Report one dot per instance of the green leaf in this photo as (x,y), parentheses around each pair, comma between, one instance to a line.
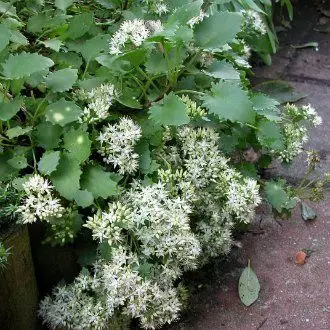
(49,162)
(9,110)
(183,14)
(171,111)
(63,4)
(47,135)
(229,102)
(84,198)
(144,156)
(217,30)
(77,143)
(18,131)
(66,177)
(80,25)
(54,44)
(156,64)
(6,171)
(61,80)
(99,182)
(4,36)
(18,162)
(278,197)
(62,112)
(307,213)
(24,64)
(18,38)
(280,90)
(223,70)
(270,135)
(266,106)
(91,48)
(248,286)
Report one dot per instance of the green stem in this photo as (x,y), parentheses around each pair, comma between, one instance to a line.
(189,91)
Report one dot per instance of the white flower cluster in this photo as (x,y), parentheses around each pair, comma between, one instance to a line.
(253,21)
(117,145)
(108,225)
(159,7)
(39,204)
(202,158)
(100,100)
(118,285)
(295,130)
(134,31)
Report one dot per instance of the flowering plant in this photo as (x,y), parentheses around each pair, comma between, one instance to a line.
(133,121)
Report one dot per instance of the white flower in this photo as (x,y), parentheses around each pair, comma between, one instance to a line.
(135,31)
(253,21)
(117,145)
(100,100)
(197,19)
(39,203)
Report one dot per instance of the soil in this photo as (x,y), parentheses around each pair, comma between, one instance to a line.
(292,296)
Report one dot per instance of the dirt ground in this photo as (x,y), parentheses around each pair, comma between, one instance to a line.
(292,296)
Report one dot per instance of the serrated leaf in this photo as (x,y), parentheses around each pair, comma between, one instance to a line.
(49,162)
(248,286)
(79,25)
(47,135)
(270,135)
(24,64)
(266,106)
(77,143)
(156,64)
(217,30)
(307,213)
(18,131)
(61,80)
(84,198)
(18,38)
(66,177)
(171,111)
(18,162)
(229,102)
(4,36)
(10,109)
(63,4)
(62,112)
(54,44)
(99,182)
(278,197)
(223,70)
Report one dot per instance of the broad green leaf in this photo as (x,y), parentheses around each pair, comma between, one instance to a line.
(18,162)
(144,156)
(183,14)
(47,135)
(6,8)
(61,80)
(10,109)
(217,30)
(69,59)
(171,111)
(248,286)
(18,38)
(99,182)
(270,135)
(24,64)
(266,106)
(156,64)
(278,197)
(54,44)
(307,213)
(77,143)
(79,25)
(223,70)
(4,36)
(84,198)
(229,102)
(66,177)
(62,112)
(6,171)
(280,90)
(18,131)
(63,4)
(91,48)
(48,162)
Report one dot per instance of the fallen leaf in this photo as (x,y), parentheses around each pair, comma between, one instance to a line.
(248,286)
(300,258)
